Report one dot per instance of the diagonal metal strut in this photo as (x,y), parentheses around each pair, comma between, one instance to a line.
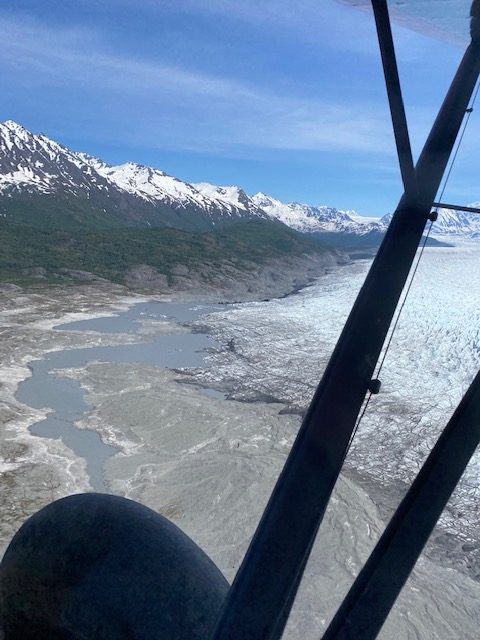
(394,91)
(372,595)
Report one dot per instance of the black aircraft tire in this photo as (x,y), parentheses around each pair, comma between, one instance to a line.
(100,567)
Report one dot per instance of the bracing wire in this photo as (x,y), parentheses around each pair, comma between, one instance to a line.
(405,297)
(412,277)
(467,119)
(389,342)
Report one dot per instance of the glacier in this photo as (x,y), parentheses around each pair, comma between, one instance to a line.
(276,351)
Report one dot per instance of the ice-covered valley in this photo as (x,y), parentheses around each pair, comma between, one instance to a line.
(277,350)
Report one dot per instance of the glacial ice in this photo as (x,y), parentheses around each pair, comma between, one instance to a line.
(278,350)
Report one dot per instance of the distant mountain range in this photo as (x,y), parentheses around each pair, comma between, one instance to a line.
(43,183)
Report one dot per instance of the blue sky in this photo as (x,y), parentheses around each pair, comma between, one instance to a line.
(273,95)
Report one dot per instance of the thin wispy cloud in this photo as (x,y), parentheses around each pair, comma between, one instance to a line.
(334,22)
(307,20)
(193,109)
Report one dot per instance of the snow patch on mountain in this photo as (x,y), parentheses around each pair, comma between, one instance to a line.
(34,163)
(233,197)
(451,225)
(311,219)
(151,184)
(457,223)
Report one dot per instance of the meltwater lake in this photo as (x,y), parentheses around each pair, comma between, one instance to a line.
(174,348)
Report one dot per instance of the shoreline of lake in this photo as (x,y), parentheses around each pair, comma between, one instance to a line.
(159,339)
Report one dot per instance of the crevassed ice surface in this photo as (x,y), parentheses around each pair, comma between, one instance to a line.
(445,19)
(279,349)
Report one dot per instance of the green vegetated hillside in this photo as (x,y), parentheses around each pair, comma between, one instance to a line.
(109,253)
(51,211)
(74,212)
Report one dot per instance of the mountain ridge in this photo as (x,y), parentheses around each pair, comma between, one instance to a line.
(42,181)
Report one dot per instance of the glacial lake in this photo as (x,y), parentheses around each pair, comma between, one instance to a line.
(65,398)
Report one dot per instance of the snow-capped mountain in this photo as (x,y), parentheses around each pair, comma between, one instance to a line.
(35,164)
(154,185)
(451,225)
(234,198)
(41,180)
(33,167)
(150,184)
(320,219)
(457,224)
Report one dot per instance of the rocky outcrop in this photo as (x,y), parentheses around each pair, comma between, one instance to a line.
(143,276)
(233,282)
